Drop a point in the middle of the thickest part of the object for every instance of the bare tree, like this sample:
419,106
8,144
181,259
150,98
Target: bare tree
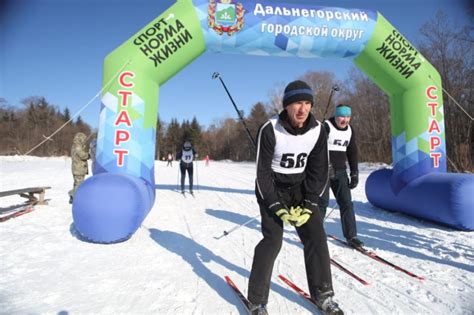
451,50
370,117
274,105
322,84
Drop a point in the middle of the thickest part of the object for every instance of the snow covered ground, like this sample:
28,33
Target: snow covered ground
174,264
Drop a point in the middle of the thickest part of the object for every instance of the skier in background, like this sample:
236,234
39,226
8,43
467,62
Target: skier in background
292,173
207,160
342,147
79,157
186,156
170,160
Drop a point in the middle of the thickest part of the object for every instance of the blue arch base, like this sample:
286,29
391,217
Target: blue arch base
445,198
109,208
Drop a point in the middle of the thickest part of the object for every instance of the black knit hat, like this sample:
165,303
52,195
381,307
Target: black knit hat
187,145
297,91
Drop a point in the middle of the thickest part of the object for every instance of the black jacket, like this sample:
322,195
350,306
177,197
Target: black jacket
311,182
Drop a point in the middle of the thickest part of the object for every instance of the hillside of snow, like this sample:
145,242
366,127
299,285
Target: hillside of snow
176,262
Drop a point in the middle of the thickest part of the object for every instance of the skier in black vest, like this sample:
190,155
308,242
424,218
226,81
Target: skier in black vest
342,146
292,172
186,156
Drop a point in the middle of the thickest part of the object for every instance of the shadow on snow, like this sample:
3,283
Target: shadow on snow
374,236
198,255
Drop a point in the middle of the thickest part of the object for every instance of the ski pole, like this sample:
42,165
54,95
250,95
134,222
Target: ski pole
217,75
334,88
327,215
197,175
225,233
177,180
335,204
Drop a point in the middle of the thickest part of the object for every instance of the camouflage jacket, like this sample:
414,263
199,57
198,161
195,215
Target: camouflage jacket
79,155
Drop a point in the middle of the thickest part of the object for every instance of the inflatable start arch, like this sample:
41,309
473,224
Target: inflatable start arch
110,206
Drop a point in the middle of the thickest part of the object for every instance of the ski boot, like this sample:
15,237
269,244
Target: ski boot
356,243
260,309
328,306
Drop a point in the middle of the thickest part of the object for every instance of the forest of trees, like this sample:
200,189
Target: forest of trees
22,129
449,49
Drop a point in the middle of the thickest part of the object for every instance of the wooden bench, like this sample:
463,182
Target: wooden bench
29,193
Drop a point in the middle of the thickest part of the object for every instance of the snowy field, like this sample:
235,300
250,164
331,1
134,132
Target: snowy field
174,264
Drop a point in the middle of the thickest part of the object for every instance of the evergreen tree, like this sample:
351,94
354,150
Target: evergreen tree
160,150
173,137
196,134
66,116
186,133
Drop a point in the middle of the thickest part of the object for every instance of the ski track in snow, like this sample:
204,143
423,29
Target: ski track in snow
175,265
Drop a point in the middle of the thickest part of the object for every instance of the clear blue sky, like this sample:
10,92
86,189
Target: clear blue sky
55,49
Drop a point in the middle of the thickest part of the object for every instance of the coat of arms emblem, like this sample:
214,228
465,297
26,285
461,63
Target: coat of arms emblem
225,16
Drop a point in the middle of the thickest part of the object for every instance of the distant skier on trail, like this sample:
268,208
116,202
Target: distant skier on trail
186,156
292,172
79,157
170,160
342,147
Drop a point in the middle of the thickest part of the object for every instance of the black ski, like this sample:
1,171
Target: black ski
245,302
376,257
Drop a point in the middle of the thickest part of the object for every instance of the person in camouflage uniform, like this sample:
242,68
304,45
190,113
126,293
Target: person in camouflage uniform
92,150
79,157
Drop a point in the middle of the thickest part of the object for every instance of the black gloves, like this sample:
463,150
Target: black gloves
354,179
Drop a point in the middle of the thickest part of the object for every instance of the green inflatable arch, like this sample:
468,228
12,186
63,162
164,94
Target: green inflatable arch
111,205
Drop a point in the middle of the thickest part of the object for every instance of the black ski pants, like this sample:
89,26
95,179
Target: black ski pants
186,167
339,184
316,256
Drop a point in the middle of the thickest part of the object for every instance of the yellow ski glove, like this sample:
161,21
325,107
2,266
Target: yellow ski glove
301,216
285,216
